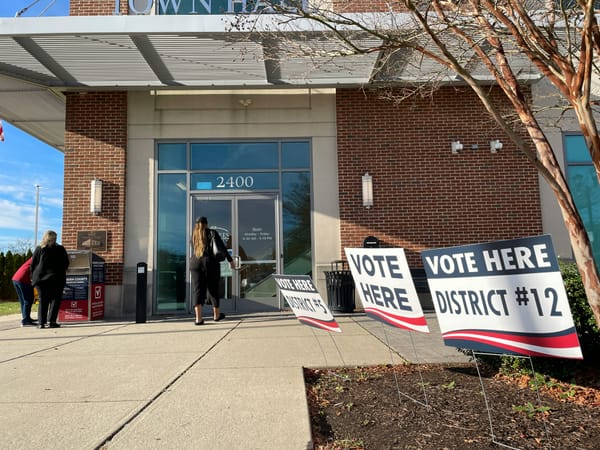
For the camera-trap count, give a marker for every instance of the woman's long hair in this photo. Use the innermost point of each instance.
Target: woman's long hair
(48, 239)
(199, 238)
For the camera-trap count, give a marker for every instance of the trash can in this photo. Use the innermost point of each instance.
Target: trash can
(340, 287)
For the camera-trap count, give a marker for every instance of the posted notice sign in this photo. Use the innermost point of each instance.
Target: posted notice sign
(304, 299)
(504, 297)
(386, 288)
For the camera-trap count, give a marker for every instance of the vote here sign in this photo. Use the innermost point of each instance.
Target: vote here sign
(503, 297)
(304, 299)
(388, 294)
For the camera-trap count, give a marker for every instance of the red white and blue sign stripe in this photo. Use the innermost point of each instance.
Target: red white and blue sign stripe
(398, 321)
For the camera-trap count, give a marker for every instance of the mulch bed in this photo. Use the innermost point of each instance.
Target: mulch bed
(443, 407)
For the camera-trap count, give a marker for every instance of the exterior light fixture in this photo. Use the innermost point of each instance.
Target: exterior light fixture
(367, 190)
(96, 196)
(456, 147)
(495, 146)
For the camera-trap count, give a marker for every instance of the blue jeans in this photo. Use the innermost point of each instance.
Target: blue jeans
(25, 294)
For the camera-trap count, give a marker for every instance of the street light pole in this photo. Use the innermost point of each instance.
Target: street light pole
(37, 208)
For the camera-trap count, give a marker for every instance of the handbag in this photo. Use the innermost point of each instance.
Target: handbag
(219, 252)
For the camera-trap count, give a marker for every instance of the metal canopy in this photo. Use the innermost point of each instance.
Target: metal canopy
(41, 58)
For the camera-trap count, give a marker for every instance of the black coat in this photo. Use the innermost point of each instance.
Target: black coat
(49, 264)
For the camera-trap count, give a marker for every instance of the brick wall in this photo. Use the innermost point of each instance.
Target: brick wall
(95, 147)
(96, 7)
(425, 196)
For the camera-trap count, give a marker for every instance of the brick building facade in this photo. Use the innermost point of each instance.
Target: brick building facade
(424, 195)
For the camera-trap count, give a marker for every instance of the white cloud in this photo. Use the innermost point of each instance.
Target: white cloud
(14, 215)
(17, 220)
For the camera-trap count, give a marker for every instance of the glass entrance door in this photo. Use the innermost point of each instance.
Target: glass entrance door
(249, 227)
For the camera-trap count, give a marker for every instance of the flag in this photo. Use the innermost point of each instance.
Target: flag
(1, 132)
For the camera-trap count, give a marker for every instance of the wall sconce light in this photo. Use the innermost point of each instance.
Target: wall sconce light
(96, 196)
(495, 146)
(367, 190)
(456, 147)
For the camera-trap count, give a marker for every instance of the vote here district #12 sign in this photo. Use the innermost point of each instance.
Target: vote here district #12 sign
(386, 288)
(304, 299)
(504, 297)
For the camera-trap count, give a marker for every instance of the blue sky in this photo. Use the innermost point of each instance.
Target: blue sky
(25, 162)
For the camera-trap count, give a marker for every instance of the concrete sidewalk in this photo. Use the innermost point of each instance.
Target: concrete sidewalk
(235, 384)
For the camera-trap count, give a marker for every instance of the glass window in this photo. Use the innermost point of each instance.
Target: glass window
(295, 155)
(235, 156)
(172, 156)
(585, 189)
(297, 253)
(568, 4)
(171, 243)
(576, 149)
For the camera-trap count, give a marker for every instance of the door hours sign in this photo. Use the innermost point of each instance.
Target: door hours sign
(504, 297)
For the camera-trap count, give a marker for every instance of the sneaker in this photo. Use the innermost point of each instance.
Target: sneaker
(42, 325)
(29, 324)
(54, 325)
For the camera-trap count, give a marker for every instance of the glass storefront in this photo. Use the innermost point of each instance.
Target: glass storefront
(584, 186)
(256, 194)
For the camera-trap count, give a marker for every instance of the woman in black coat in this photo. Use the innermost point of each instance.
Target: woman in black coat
(49, 265)
(205, 269)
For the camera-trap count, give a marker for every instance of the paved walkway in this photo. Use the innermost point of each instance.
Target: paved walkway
(167, 384)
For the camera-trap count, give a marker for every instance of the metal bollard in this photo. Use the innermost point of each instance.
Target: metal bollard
(141, 288)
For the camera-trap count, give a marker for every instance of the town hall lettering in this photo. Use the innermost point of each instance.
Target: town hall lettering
(205, 7)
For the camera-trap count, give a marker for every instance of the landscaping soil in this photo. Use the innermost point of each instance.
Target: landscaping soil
(444, 407)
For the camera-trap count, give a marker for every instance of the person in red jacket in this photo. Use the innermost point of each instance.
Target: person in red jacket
(22, 283)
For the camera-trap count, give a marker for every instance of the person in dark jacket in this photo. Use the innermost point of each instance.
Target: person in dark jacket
(49, 265)
(205, 269)
(22, 283)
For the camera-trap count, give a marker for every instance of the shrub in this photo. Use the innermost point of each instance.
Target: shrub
(587, 329)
